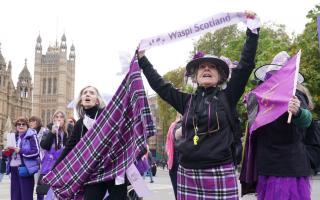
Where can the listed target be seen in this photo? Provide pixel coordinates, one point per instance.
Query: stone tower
(14, 101)
(53, 79)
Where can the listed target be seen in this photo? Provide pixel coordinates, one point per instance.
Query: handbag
(42, 188)
(23, 171)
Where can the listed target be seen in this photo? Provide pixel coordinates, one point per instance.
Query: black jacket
(213, 149)
(49, 139)
(78, 131)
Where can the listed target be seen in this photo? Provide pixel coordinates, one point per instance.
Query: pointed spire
(72, 54)
(25, 72)
(39, 39)
(38, 45)
(9, 66)
(63, 38)
(2, 61)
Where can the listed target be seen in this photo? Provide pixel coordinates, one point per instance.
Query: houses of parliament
(51, 89)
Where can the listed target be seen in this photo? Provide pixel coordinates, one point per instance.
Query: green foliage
(166, 112)
(310, 57)
(273, 39)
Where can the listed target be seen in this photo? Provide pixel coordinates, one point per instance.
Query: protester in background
(36, 123)
(148, 157)
(24, 162)
(205, 147)
(71, 123)
(282, 165)
(174, 133)
(53, 142)
(88, 106)
(2, 166)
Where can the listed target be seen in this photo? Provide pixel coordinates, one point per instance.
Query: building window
(49, 85)
(43, 115)
(54, 85)
(44, 86)
(48, 116)
(26, 93)
(21, 92)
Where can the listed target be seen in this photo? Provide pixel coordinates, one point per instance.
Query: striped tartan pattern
(207, 184)
(111, 145)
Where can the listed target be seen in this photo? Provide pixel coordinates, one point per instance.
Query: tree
(310, 57)
(167, 113)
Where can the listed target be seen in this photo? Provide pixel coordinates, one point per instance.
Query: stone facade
(54, 79)
(14, 101)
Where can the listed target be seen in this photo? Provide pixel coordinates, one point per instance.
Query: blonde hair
(79, 107)
(305, 91)
(64, 128)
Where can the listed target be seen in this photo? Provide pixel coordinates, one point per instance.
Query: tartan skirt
(207, 184)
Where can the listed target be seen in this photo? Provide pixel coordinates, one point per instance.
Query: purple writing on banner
(200, 27)
(318, 19)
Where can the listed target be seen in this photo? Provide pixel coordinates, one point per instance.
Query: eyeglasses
(21, 124)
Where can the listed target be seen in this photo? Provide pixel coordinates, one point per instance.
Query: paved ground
(161, 188)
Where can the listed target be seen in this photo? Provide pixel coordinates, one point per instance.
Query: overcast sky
(100, 29)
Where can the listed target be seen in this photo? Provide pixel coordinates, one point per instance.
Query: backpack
(232, 116)
(312, 143)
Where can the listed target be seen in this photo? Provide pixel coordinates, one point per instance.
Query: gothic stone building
(14, 101)
(53, 80)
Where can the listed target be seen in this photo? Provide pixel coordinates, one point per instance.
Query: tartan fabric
(111, 145)
(207, 184)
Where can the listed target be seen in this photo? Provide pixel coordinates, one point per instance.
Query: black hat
(200, 57)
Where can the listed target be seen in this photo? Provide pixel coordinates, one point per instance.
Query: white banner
(214, 22)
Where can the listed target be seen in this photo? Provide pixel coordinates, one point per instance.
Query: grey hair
(79, 107)
(305, 91)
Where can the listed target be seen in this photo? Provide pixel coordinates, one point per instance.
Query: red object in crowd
(7, 152)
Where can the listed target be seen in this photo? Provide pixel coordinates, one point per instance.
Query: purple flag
(318, 20)
(270, 100)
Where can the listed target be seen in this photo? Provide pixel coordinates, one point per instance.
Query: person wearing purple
(206, 165)
(88, 106)
(36, 123)
(282, 169)
(53, 142)
(26, 153)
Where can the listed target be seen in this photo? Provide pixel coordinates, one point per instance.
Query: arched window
(54, 85)
(21, 92)
(49, 85)
(44, 86)
(26, 93)
(48, 117)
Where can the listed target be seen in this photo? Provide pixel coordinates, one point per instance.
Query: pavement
(161, 188)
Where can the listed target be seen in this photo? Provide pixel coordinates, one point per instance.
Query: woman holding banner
(206, 168)
(282, 167)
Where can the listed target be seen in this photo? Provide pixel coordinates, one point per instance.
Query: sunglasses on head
(21, 124)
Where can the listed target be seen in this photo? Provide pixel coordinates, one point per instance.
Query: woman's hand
(250, 14)
(294, 105)
(17, 149)
(141, 53)
(55, 128)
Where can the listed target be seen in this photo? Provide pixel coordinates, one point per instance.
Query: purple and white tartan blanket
(111, 145)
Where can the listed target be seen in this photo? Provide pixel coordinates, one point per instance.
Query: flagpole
(295, 82)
